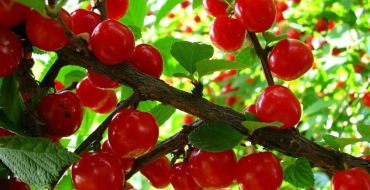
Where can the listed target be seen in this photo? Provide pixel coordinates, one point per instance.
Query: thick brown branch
(289, 142)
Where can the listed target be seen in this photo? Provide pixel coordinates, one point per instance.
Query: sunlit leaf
(299, 173)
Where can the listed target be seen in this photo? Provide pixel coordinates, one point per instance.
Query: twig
(102, 7)
(262, 54)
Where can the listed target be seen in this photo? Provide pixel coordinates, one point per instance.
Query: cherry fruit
(12, 13)
(354, 178)
(181, 178)
(147, 59)
(215, 8)
(158, 172)
(102, 81)
(11, 52)
(116, 8)
(84, 21)
(227, 34)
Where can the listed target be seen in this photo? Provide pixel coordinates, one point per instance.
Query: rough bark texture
(289, 142)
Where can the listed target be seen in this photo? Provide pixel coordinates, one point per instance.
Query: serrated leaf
(135, 14)
(271, 37)
(215, 137)
(38, 51)
(317, 106)
(364, 130)
(5, 122)
(36, 161)
(206, 67)
(299, 173)
(247, 56)
(350, 18)
(189, 53)
(162, 113)
(165, 9)
(254, 125)
(136, 30)
(12, 105)
(340, 143)
(37, 5)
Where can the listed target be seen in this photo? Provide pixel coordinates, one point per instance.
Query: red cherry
(102, 81)
(255, 16)
(358, 68)
(126, 163)
(109, 104)
(197, 18)
(230, 57)
(335, 51)
(58, 85)
(12, 13)
(354, 178)
(40, 29)
(11, 52)
(147, 59)
(213, 169)
(321, 25)
(259, 171)
(13, 184)
(112, 42)
(132, 133)
(96, 171)
(296, 1)
(215, 8)
(158, 172)
(290, 59)
(62, 113)
(227, 34)
(185, 4)
(84, 21)
(116, 9)
(281, 6)
(279, 17)
(188, 119)
(171, 15)
(278, 103)
(293, 33)
(4, 133)
(251, 109)
(340, 84)
(85, 89)
(366, 99)
(230, 100)
(181, 178)
(331, 24)
(250, 80)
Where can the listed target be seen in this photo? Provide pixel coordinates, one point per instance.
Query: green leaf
(330, 15)
(215, 137)
(73, 76)
(135, 14)
(317, 106)
(36, 161)
(254, 125)
(7, 124)
(197, 3)
(38, 5)
(165, 9)
(136, 30)
(189, 53)
(12, 105)
(350, 18)
(182, 75)
(272, 37)
(364, 130)
(206, 67)
(247, 56)
(299, 173)
(340, 143)
(250, 117)
(162, 113)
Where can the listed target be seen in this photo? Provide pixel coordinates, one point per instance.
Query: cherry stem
(262, 54)
(102, 7)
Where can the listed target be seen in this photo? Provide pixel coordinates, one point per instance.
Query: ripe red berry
(220, 165)
(11, 52)
(40, 29)
(321, 25)
(116, 9)
(181, 178)
(215, 8)
(354, 178)
(109, 105)
(188, 119)
(126, 163)
(101, 81)
(335, 51)
(12, 13)
(132, 133)
(281, 6)
(58, 85)
(13, 184)
(85, 89)
(259, 171)
(62, 113)
(366, 99)
(96, 171)
(358, 68)
(278, 103)
(251, 109)
(158, 172)
(84, 21)
(290, 59)
(147, 59)
(255, 16)
(230, 100)
(4, 132)
(293, 33)
(112, 42)
(227, 34)
(185, 4)
(197, 18)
